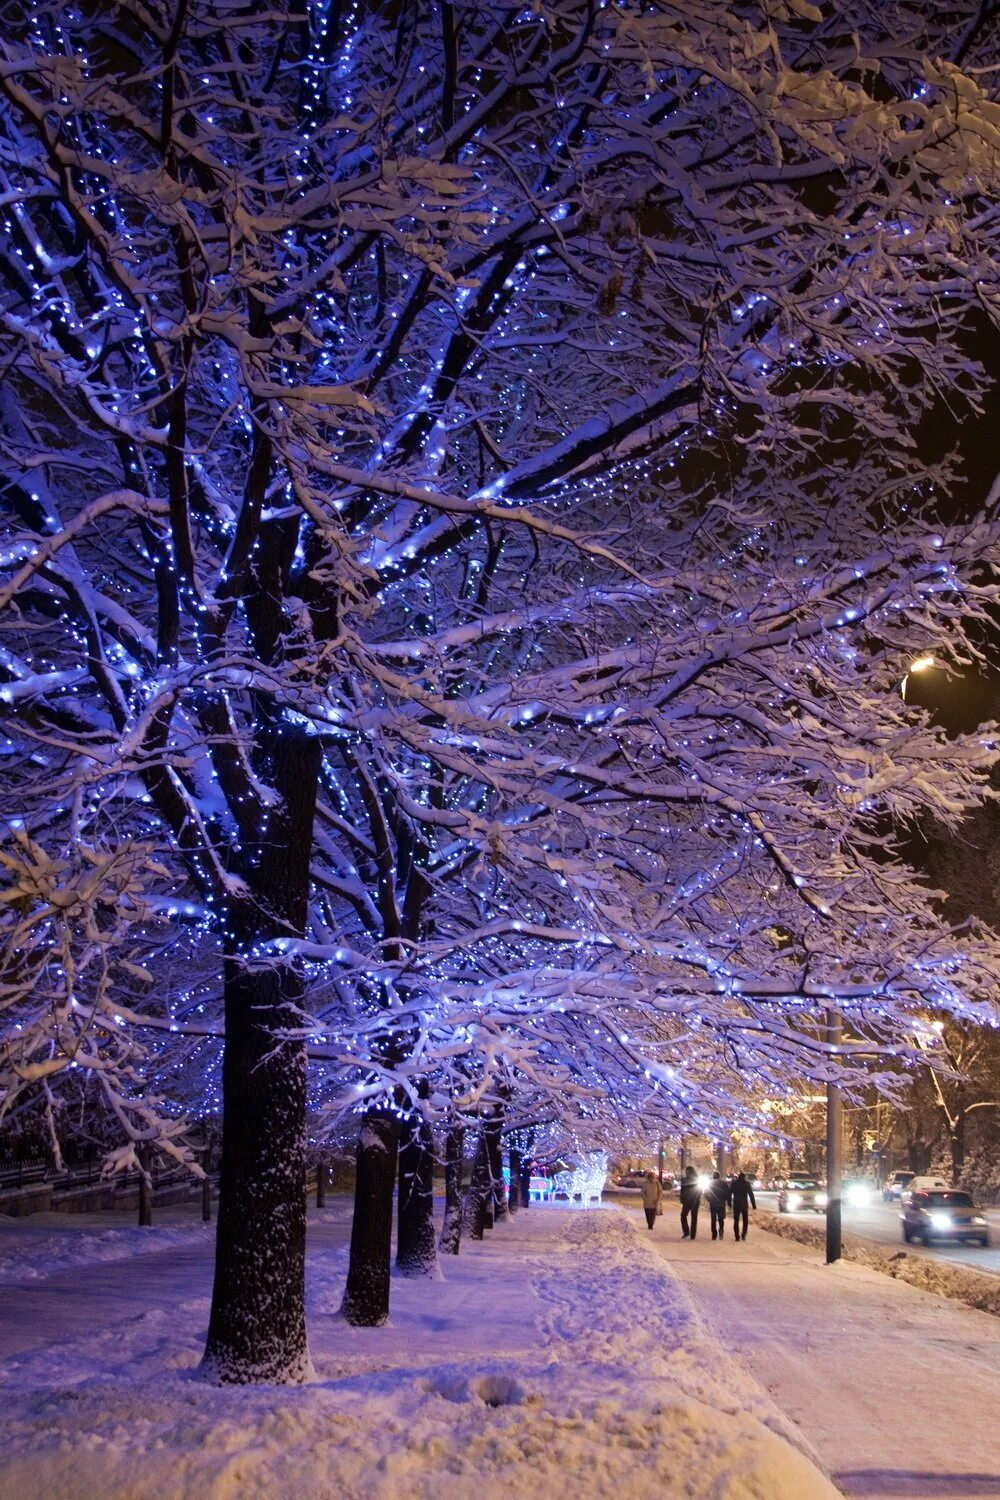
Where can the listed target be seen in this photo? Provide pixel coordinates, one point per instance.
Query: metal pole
(834, 1149)
(659, 1159)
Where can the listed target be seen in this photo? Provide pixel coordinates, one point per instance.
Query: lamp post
(834, 1147)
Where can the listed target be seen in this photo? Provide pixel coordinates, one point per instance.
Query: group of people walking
(721, 1193)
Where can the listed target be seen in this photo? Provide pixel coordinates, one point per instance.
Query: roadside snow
(943, 1277)
(559, 1354)
(44, 1254)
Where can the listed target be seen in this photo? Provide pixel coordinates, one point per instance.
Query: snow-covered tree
(460, 508)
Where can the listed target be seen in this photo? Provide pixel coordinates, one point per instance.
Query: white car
(799, 1193)
(927, 1184)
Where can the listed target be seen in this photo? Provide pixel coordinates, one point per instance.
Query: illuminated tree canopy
(463, 534)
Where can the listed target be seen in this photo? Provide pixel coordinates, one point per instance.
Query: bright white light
(859, 1194)
(704, 1181)
(794, 1199)
(940, 1221)
(922, 663)
(821, 1200)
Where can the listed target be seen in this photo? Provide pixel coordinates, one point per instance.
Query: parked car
(895, 1185)
(799, 1193)
(943, 1214)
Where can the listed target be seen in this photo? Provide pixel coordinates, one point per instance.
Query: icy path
(559, 1356)
(897, 1390)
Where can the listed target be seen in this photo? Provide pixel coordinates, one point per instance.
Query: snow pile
(560, 1352)
(974, 1288)
(45, 1254)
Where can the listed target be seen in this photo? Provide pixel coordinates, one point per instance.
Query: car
(943, 1214)
(856, 1192)
(925, 1184)
(895, 1185)
(799, 1193)
(630, 1180)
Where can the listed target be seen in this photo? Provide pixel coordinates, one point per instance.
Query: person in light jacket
(741, 1193)
(651, 1194)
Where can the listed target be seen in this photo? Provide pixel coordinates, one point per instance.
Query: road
(893, 1388)
(879, 1223)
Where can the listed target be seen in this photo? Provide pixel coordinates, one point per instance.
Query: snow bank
(947, 1279)
(559, 1353)
(35, 1255)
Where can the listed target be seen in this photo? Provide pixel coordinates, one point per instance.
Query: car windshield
(948, 1200)
(803, 1182)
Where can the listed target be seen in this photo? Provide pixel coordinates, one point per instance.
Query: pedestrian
(651, 1194)
(690, 1202)
(741, 1193)
(717, 1194)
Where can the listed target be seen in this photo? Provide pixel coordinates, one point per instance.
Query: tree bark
(366, 1295)
(479, 1198)
(526, 1183)
(416, 1248)
(145, 1187)
(451, 1229)
(257, 1329)
(492, 1132)
(514, 1195)
(956, 1141)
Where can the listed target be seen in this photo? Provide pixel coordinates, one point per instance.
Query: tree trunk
(514, 1196)
(416, 1248)
(956, 1140)
(451, 1229)
(526, 1184)
(145, 1187)
(491, 1131)
(257, 1329)
(366, 1295)
(479, 1198)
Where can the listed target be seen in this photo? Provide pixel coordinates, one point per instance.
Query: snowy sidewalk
(560, 1354)
(897, 1390)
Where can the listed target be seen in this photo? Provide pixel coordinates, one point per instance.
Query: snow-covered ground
(560, 1354)
(897, 1389)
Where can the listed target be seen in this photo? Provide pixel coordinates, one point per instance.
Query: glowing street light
(919, 664)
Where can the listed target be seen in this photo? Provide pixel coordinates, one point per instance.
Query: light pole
(834, 1147)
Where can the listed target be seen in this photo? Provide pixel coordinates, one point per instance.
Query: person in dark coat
(717, 1194)
(690, 1202)
(741, 1193)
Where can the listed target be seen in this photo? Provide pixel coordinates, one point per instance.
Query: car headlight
(858, 1194)
(940, 1221)
(821, 1200)
(704, 1182)
(978, 1219)
(794, 1199)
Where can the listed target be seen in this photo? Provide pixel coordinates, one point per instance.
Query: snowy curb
(48, 1255)
(972, 1288)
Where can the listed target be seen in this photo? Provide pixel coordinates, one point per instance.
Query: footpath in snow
(560, 1355)
(896, 1389)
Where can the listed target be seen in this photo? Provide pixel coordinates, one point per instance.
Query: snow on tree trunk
(416, 1250)
(257, 1329)
(956, 1141)
(145, 1187)
(451, 1229)
(498, 1192)
(366, 1295)
(514, 1193)
(479, 1198)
